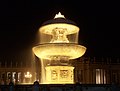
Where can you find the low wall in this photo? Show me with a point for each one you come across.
(61, 87)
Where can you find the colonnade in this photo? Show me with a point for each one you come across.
(17, 77)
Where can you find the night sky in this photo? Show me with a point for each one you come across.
(19, 22)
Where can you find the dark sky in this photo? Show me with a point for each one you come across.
(19, 22)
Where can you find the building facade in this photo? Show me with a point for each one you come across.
(87, 71)
(18, 73)
(97, 71)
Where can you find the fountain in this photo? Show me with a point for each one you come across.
(58, 45)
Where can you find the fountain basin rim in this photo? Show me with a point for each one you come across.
(59, 50)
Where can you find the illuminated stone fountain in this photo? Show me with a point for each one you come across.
(58, 45)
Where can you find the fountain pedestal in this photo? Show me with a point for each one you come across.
(59, 74)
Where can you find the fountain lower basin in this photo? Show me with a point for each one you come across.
(59, 50)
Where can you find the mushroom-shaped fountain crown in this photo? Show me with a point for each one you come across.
(59, 40)
(59, 19)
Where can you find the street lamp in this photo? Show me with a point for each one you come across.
(28, 75)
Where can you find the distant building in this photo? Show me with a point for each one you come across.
(87, 71)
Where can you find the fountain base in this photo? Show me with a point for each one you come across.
(59, 75)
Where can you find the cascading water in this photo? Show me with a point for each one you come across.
(42, 80)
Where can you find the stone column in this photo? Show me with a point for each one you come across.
(84, 73)
(22, 77)
(0, 77)
(90, 76)
(0, 64)
(107, 76)
(76, 76)
(5, 77)
(94, 76)
(16, 78)
(11, 78)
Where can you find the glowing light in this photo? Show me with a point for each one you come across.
(28, 75)
(59, 15)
